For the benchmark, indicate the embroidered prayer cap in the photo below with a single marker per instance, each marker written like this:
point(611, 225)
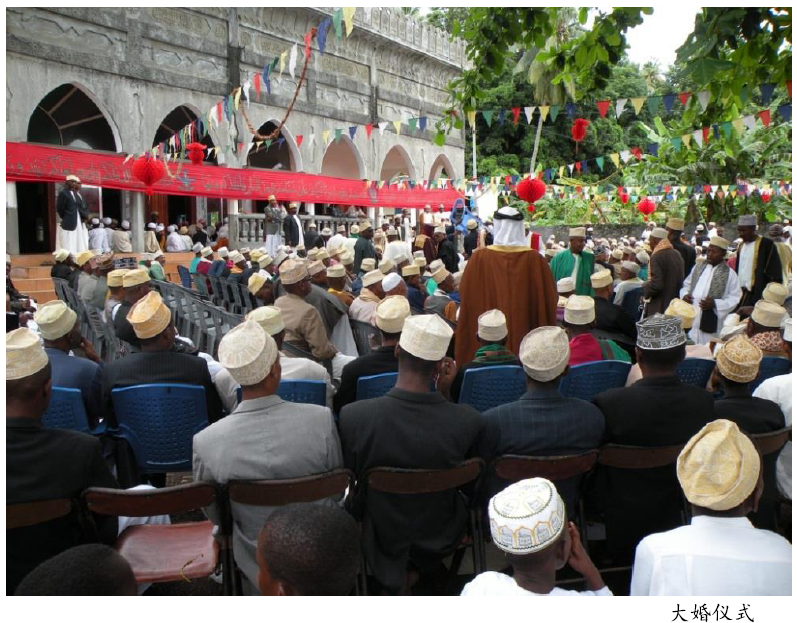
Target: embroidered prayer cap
point(631, 267)
point(149, 316)
point(601, 279)
point(419, 255)
point(316, 267)
point(660, 332)
point(83, 257)
point(269, 318)
point(747, 220)
point(197, 248)
point(776, 293)
point(440, 275)
point(768, 314)
point(426, 336)
point(472, 224)
point(292, 271)
point(676, 224)
point(526, 517)
point(440, 230)
point(368, 264)
point(105, 261)
point(322, 254)
point(412, 269)
point(248, 353)
point(683, 310)
point(73, 178)
point(617, 254)
point(347, 258)
point(718, 241)
point(565, 285)
point(372, 277)
point(206, 251)
point(326, 231)
point(492, 326)
point(336, 270)
point(115, 277)
point(580, 310)
point(157, 254)
point(386, 266)
point(400, 258)
point(341, 229)
point(545, 353)
point(355, 229)
point(54, 320)
point(60, 255)
point(364, 226)
point(435, 265)
point(391, 313)
point(643, 257)
point(255, 255)
point(718, 468)
point(311, 254)
point(256, 281)
point(25, 355)
point(787, 331)
point(223, 251)
point(658, 232)
point(739, 360)
point(578, 232)
point(420, 262)
point(135, 277)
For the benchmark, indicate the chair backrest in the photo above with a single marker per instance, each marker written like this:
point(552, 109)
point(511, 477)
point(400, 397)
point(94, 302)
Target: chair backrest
point(638, 457)
point(376, 385)
point(290, 490)
point(631, 303)
point(695, 372)
point(588, 379)
point(34, 513)
point(415, 481)
point(363, 334)
point(149, 502)
point(66, 410)
point(514, 468)
point(770, 366)
point(200, 281)
point(59, 285)
point(185, 275)
point(159, 422)
point(491, 386)
point(310, 392)
point(295, 351)
point(767, 443)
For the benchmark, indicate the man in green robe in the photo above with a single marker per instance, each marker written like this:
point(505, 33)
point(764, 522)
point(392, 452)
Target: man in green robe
point(575, 262)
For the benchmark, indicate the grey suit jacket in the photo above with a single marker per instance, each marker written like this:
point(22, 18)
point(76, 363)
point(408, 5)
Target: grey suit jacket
point(264, 439)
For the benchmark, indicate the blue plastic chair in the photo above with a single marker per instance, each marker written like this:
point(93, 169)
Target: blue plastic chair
point(159, 422)
point(770, 366)
point(695, 372)
point(589, 379)
point(491, 386)
point(309, 392)
point(185, 276)
point(376, 385)
point(67, 411)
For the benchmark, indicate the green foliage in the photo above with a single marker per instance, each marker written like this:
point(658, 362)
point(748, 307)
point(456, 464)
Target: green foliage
point(445, 17)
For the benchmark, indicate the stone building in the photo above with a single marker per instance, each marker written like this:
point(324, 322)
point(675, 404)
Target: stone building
point(125, 79)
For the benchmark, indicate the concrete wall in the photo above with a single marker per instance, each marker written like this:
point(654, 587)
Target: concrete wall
point(618, 230)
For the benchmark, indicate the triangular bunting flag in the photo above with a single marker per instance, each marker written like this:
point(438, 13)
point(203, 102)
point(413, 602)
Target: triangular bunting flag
point(668, 101)
point(599, 162)
point(544, 112)
point(615, 159)
point(292, 60)
point(311, 140)
point(501, 116)
point(413, 123)
point(338, 134)
point(738, 125)
point(488, 117)
point(299, 139)
point(764, 116)
point(528, 111)
point(471, 115)
point(321, 36)
point(727, 129)
point(422, 123)
point(369, 127)
point(352, 131)
point(554, 112)
point(325, 136)
point(268, 143)
point(637, 103)
point(283, 58)
point(619, 106)
point(676, 143)
point(785, 112)
point(256, 80)
point(703, 97)
point(561, 171)
point(698, 136)
point(337, 19)
point(348, 17)
point(706, 134)
point(684, 97)
point(397, 125)
point(382, 125)
point(653, 148)
point(766, 92)
point(603, 107)
point(515, 114)
point(280, 141)
point(625, 155)
point(570, 110)
point(570, 168)
point(686, 138)
point(654, 101)
point(749, 121)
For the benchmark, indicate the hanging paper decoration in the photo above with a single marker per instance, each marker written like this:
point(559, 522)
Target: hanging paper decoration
point(530, 190)
point(579, 129)
point(646, 207)
point(148, 170)
point(623, 197)
point(196, 152)
point(603, 107)
point(321, 37)
point(299, 139)
point(368, 129)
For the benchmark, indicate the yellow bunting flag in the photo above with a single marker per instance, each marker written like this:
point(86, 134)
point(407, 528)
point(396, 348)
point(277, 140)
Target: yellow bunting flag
point(283, 56)
point(325, 136)
point(471, 118)
point(637, 102)
point(561, 171)
point(348, 18)
point(544, 112)
point(237, 98)
point(686, 138)
point(615, 159)
point(397, 125)
point(738, 125)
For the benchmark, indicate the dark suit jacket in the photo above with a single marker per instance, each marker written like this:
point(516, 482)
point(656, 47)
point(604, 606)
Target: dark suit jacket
point(48, 464)
point(82, 374)
point(313, 240)
point(447, 253)
point(665, 277)
point(651, 412)
point(767, 269)
point(688, 254)
point(613, 319)
point(378, 361)
point(363, 248)
point(122, 328)
point(408, 430)
point(159, 367)
point(470, 241)
point(70, 209)
point(290, 230)
point(61, 270)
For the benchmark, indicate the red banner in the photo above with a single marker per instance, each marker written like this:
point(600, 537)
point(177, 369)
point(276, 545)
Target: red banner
point(40, 163)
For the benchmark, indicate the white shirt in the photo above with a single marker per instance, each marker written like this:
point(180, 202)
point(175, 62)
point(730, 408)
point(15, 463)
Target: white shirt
point(395, 249)
point(494, 584)
point(713, 556)
point(335, 241)
point(646, 234)
point(623, 287)
point(723, 306)
point(174, 242)
point(574, 276)
point(778, 390)
point(744, 264)
point(97, 239)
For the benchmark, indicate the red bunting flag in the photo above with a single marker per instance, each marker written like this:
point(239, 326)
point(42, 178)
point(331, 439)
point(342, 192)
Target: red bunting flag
point(637, 151)
point(507, 179)
point(218, 112)
point(603, 107)
point(706, 188)
point(764, 116)
point(307, 44)
point(369, 127)
point(299, 139)
point(257, 84)
point(706, 134)
point(684, 97)
point(515, 115)
point(578, 166)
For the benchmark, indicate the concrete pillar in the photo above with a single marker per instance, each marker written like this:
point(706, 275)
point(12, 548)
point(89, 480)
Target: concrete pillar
point(202, 208)
point(12, 219)
point(232, 205)
point(247, 206)
point(310, 207)
point(137, 219)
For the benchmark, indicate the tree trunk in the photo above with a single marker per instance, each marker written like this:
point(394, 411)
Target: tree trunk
point(536, 145)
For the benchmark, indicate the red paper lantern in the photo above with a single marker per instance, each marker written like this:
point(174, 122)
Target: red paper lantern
point(646, 207)
point(766, 197)
point(148, 170)
point(579, 129)
point(530, 190)
point(196, 152)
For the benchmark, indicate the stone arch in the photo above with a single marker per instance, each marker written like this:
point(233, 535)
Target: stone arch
point(441, 165)
point(175, 121)
point(287, 156)
point(397, 162)
point(72, 115)
point(343, 159)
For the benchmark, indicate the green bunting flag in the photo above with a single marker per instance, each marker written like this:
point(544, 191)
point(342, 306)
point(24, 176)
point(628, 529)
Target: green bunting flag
point(654, 102)
point(488, 117)
point(676, 143)
point(554, 111)
point(338, 133)
point(599, 162)
point(337, 19)
point(413, 121)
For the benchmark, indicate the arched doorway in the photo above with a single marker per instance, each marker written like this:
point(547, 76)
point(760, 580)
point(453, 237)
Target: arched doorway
point(397, 164)
point(441, 168)
point(277, 154)
point(341, 159)
point(69, 116)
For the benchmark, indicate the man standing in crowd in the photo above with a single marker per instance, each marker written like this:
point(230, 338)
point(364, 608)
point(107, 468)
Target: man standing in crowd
point(364, 248)
point(575, 262)
point(757, 262)
point(71, 208)
point(292, 227)
point(666, 273)
point(675, 229)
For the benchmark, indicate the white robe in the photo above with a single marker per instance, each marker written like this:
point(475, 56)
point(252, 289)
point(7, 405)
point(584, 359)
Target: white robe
point(97, 239)
point(395, 249)
point(335, 241)
point(778, 389)
point(723, 306)
point(174, 243)
point(494, 584)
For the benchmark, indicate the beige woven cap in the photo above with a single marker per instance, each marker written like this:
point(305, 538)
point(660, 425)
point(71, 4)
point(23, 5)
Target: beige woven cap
point(272, 198)
point(255, 255)
point(236, 257)
point(419, 255)
point(115, 277)
point(420, 262)
point(440, 275)
point(135, 277)
point(718, 468)
point(426, 336)
point(565, 285)
point(545, 353)
point(73, 178)
point(256, 281)
point(149, 316)
point(527, 517)
point(718, 241)
point(658, 232)
point(269, 318)
point(280, 257)
point(316, 267)
point(322, 255)
point(355, 229)
point(365, 225)
point(336, 270)
point(54, 320)
point(683, 310)
point(617, 254)
point(440, 230)
point(25, 354)
point(83, 257)
point(601, 279)
point(775, 292)
point(391, 313)
point(739, 360)
point(578, 232)
point(292, 271)
point(492, 326)
point(206, 251)
point(412, 269)
point(643, 257)
point(60, 255)
point(631, 267)
point(768, 314)
point(265, 260)
point(385, 266)
point(372, 277)
point(347, 258)
point(472, 224)
point(580, 310)
point(676, 223)
point(551, 252)
point(435, 264)
point(248, 352)
point(368, 264)
point(223, 251)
